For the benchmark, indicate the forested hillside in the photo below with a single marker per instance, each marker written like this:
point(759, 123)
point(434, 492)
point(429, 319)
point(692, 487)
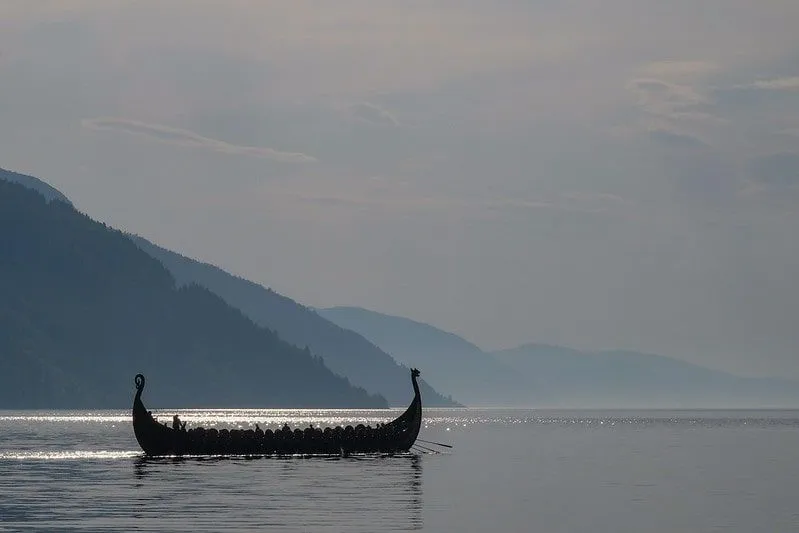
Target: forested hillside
point(82, 309)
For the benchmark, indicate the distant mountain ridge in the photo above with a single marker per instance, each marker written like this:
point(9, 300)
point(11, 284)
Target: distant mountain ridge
point(83, 309)
point(345, 352)
point(451, 363)
point(567, 377)
point(555, 376)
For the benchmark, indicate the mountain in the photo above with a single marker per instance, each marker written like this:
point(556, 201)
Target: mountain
point(450, 362)
point(83, 309)
point(570, 378)
point(343, 351)
point(50, 193)
point(539, 375)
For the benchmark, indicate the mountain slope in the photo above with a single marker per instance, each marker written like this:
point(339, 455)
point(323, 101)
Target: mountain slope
point(451, 363)
point(50, 193)
point(343, 351)
point(82, 309)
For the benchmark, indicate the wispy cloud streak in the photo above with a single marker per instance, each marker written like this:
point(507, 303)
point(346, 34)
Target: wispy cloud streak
point(190, 139)
point(778, 84)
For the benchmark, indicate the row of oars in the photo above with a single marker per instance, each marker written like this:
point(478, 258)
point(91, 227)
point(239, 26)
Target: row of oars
point(419, 448)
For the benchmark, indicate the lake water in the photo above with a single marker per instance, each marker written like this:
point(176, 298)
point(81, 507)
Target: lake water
point(509, 470)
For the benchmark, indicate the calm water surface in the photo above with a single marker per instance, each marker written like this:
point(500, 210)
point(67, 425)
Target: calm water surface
point(517, 470)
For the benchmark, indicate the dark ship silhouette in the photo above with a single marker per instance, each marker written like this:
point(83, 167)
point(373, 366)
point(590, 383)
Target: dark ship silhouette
point(157, 439)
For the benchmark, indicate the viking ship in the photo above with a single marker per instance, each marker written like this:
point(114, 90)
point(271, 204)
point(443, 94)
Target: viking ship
point(157, 439)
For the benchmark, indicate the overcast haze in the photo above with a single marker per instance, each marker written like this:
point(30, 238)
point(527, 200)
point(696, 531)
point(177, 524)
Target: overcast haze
point(617, 174)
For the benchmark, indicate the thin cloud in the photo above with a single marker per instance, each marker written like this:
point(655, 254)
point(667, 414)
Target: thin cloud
point(189, 139)
point(778, 84)
point(373, 114)
point(676, 106)
point(670, 100)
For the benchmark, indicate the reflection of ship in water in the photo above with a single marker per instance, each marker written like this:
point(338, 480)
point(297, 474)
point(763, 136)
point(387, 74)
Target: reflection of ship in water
point(356, 493)
point(415, 493)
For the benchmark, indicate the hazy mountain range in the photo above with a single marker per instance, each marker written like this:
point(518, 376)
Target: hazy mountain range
point(540, 375)
point(83, 307)
point(450, 362)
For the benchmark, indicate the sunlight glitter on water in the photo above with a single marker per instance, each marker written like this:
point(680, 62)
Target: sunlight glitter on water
point(68, 455)
point(210, 417)
point(66, 418)
point(433, 417)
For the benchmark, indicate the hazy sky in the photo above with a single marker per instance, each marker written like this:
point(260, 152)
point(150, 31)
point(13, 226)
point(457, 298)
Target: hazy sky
point(609, 174)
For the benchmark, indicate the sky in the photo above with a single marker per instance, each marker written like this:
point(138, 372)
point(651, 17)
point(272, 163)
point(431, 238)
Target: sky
point(616, 174)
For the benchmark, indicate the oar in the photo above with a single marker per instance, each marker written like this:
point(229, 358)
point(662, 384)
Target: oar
point(425, 448)
point(418, 450)
point(436, 443)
